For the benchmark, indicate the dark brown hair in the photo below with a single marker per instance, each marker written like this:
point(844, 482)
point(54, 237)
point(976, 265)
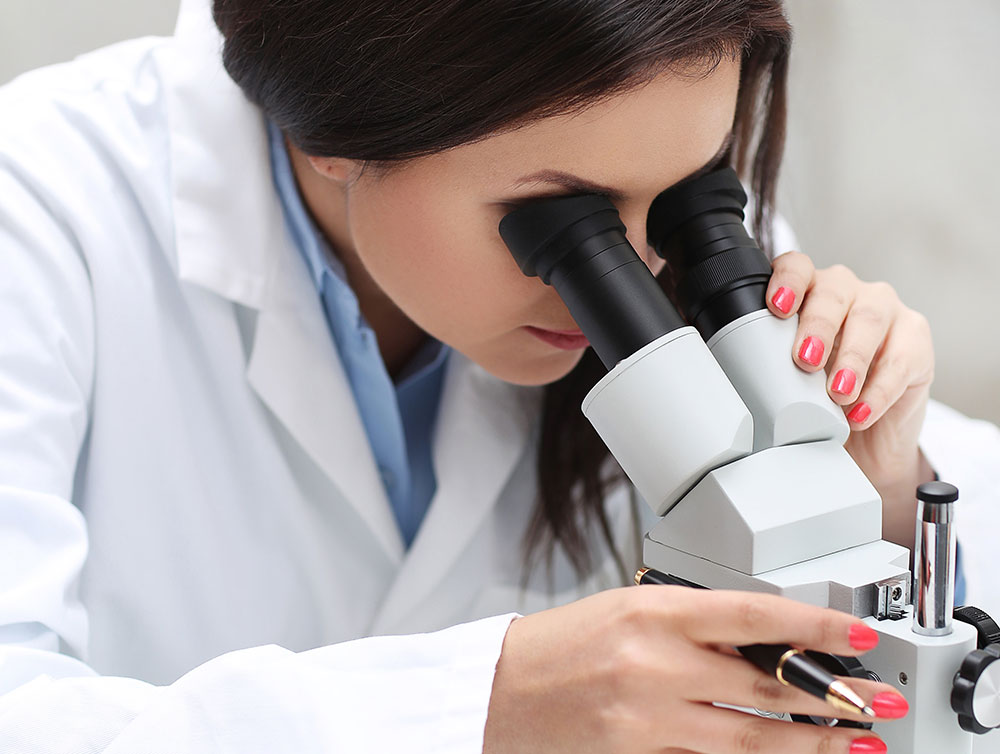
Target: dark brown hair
point(384, 81)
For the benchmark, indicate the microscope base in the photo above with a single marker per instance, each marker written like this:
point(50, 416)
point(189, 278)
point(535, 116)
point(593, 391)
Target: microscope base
point(845, 581)
point(928, 665)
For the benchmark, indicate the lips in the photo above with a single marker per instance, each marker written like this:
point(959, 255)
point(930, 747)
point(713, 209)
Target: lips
point(567, 340)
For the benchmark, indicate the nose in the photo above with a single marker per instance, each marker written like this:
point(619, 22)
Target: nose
point(635, 232)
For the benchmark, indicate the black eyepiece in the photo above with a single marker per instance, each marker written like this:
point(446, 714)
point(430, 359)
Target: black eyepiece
point(578, 246)
point(720, 272)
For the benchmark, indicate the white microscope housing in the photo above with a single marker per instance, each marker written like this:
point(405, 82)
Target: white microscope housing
point(798, 520)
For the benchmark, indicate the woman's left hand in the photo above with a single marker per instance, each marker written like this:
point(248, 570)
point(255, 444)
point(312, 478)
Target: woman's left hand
point(879, 359)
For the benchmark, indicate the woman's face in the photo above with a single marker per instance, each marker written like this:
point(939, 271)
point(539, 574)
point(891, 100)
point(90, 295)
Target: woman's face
point(426, 231)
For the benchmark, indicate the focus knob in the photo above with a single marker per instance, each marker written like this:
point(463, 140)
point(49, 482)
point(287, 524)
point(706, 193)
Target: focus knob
point(975, 695)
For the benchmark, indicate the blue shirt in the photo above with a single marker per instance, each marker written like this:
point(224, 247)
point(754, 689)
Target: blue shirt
point(398, 417)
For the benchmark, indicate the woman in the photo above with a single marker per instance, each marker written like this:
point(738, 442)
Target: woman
point(243, 305)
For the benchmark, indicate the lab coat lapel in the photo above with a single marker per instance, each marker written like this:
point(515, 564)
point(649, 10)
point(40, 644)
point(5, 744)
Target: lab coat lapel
point(483, 428)
point(230, 238)
point(295, 371)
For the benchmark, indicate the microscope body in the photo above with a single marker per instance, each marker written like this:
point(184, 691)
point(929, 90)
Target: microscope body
point(782, 509)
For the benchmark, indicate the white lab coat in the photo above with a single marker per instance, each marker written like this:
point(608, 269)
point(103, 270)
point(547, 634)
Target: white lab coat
point(183, 472)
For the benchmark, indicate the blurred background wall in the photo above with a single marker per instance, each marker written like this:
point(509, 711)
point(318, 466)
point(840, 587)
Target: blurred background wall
point(893, 165)
point(37, 32)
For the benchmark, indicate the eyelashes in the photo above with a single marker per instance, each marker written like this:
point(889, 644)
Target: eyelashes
point(509, 205)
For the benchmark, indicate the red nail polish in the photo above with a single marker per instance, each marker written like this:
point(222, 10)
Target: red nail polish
point(859, 413)
point(844, 381)
point(863, 637)
point(783, 300)
point(890, 705)
point(811, 350)
point(868, 746)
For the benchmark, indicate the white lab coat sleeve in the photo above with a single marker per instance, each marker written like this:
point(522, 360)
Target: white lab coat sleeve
point(417, 693)
point(46, 369)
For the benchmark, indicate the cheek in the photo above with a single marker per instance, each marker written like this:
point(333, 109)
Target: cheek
point(443, 263)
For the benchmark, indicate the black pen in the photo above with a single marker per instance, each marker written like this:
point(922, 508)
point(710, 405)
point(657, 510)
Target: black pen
point(789, 665)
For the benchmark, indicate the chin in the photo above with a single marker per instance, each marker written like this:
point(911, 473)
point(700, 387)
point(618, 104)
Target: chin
point(531, 371)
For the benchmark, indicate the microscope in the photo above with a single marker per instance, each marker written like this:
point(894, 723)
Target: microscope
point(741, 453)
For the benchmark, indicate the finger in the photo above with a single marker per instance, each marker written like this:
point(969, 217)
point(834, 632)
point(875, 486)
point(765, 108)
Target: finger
point(736, 681)
point(722, 731)
point(737, 618)
point(822, 314)
point(905, 361)
point(791, 277)
point(863, 333)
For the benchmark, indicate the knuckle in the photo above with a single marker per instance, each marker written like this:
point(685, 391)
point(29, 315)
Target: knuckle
point(897, 367)
point(751, 614)
point(853, 355)
point(836, 298)
point(841, 273)
point(883, 291)
point(766, 692)
point(827, 631)
point(622, 669)
point(750, 737)
point(876, 395)
point(830, 294)
point(637, 614)
point(627, 654)
point(617, 720)
point(794, 264)
point(874, 317)
point(829, 743)
point(919, 323)
point(791, 258)
point(818, 328)
point(811, 321)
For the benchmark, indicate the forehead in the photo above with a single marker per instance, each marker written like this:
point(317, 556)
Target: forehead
point(664, 129)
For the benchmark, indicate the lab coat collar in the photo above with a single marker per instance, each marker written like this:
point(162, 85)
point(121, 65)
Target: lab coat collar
point(231, 239)
point(227, 218)
point(295, 370)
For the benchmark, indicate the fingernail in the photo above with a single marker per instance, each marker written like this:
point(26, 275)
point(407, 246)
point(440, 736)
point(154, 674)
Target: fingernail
point(859, 413)
point(890, 705)
point(863, 637)
point(868, 746)
point(811, 351)
point(844, 381)
point(783, 299)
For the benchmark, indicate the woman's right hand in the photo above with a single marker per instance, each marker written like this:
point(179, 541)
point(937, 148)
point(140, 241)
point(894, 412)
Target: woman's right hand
point(637, 669)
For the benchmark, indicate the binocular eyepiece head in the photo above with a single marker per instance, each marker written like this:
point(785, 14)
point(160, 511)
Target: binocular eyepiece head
point(720, 272)
point(577, 244)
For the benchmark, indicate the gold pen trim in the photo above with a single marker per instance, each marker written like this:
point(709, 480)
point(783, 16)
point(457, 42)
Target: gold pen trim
point(843, 697)
point(779, 671)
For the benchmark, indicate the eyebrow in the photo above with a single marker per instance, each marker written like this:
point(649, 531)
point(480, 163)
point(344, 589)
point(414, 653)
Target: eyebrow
point(574, 184)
